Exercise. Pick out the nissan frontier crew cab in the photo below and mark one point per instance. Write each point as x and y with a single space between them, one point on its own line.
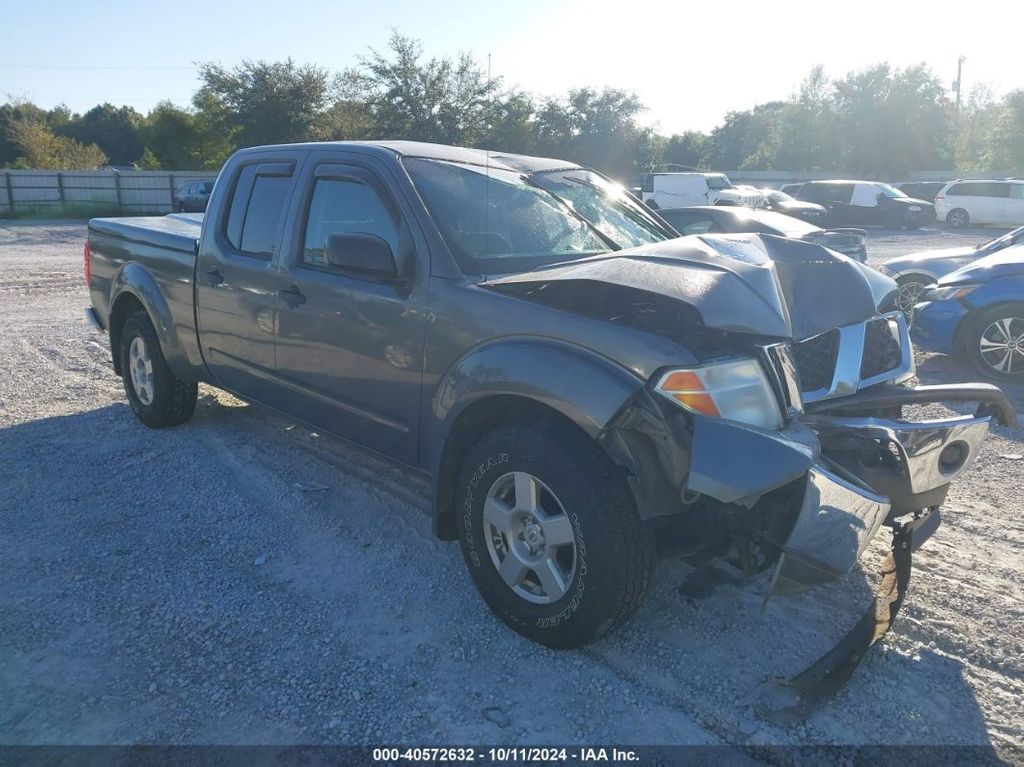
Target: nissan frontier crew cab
575 379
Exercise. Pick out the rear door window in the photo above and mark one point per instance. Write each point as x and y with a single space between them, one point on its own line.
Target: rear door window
257 209
980 189
1017 191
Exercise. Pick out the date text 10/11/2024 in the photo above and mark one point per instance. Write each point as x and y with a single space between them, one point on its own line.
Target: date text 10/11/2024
504 754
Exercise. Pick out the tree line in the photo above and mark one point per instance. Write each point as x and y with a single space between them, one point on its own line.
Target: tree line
878 122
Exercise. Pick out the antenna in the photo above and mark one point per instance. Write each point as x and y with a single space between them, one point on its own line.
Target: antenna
487 171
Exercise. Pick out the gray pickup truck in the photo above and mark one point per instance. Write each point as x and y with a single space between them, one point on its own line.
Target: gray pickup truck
580 384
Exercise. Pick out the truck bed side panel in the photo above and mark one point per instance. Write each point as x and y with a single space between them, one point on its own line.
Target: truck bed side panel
152 258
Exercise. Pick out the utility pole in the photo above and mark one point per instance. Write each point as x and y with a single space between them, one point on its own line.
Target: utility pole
959 80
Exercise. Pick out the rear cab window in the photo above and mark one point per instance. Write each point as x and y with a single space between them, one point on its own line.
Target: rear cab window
258 202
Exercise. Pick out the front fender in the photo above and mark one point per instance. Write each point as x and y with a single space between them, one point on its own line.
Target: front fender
135 280
583 386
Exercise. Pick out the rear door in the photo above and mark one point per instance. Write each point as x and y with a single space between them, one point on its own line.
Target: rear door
349 347
236 278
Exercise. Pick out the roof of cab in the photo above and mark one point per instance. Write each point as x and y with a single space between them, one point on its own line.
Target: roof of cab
498 160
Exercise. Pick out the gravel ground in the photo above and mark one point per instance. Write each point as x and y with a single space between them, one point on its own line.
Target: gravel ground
244 580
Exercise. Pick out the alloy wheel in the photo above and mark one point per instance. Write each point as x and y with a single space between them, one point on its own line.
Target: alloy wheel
908 295
1002 345
530 537
141 368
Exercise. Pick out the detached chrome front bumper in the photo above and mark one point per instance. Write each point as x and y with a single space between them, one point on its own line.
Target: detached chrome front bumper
880 470
875 470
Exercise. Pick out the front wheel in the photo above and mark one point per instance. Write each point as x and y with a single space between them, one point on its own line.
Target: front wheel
994 343
551 534
911 288
157 396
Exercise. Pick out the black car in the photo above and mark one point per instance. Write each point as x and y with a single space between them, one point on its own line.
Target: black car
192 197
792 189
734 220
780 202
922 190
868 203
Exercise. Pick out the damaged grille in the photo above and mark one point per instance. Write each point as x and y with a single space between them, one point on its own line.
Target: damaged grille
882 351
839 361
816 360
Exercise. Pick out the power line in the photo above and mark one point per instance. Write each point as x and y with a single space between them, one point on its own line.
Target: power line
91 66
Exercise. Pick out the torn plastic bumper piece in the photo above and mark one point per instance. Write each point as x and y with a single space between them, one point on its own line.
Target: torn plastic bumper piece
786 702
837 520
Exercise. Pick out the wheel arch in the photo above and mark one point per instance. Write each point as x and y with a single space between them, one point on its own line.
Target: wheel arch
519 380
133 289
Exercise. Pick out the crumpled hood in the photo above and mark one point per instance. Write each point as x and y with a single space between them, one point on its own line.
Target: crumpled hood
1002 263
744 283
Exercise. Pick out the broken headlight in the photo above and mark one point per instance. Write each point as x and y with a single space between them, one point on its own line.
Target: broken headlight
736 389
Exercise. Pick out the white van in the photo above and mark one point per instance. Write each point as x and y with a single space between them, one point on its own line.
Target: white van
684 190
981 201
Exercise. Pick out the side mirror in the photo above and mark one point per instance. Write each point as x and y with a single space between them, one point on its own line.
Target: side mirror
361 255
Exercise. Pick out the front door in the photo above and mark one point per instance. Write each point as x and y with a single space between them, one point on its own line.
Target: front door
236 279
350 348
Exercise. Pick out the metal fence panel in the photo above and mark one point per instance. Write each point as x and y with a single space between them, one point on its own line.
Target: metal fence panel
124 192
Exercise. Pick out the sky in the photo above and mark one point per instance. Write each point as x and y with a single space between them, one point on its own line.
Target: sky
690 62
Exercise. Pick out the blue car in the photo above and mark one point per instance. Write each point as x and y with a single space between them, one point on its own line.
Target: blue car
914 272
977 312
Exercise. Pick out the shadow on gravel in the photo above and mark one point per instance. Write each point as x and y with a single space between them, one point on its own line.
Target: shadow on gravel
186 585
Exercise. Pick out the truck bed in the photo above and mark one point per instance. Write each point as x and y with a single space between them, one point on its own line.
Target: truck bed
178 231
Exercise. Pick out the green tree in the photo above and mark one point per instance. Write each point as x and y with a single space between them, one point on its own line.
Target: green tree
40 147
441 99
685 150
1007 140
170 135
12 113
597 128
260 102
115 130
746 139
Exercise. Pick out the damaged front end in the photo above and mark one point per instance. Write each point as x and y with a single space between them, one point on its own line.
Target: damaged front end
808 497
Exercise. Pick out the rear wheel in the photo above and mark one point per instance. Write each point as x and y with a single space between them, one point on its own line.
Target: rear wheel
911 288
994 343
958 218
157 396
551 534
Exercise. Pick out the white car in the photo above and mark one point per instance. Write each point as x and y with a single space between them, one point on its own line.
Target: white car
684 190
981 201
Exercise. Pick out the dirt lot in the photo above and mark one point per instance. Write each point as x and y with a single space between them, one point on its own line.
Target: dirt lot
243 580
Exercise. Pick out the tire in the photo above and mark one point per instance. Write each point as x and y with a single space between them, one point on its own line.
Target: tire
157 396
911 288
581 497
958 218
1003 359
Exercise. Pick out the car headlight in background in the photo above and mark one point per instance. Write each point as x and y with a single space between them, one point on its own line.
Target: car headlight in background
886 270
735 389
948 292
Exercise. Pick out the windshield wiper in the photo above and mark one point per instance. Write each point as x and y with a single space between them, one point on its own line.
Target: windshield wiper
612 245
